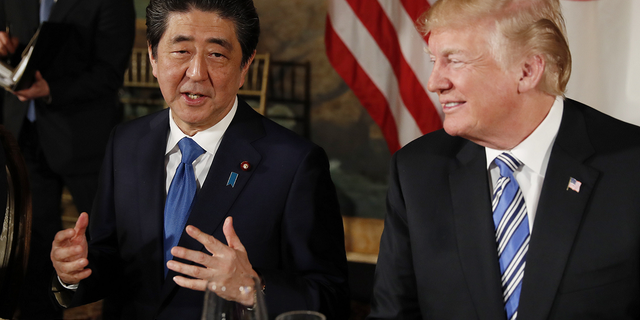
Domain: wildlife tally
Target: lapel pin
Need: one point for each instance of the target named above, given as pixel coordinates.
(245, 165)
(232, 179)
(574, 184)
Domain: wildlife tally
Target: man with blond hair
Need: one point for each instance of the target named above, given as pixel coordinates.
(526, 205)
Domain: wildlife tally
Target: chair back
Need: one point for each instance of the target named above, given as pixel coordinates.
(15, 198)
(255, 83)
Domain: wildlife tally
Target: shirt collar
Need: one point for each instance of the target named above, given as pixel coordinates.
(534, 151)
(209, 139)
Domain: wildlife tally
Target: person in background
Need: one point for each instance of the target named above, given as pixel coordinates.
(206, 190)
(526, 205)
(62, 122)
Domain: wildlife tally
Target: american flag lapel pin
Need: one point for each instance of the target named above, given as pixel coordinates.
(574, 184)
(232, 179)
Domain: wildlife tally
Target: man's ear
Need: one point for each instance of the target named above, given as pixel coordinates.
(245, 68)
(531, 70)
(154, 62)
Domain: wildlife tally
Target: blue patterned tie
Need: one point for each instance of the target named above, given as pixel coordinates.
(180, 197)
(512, 231)
(45, 11)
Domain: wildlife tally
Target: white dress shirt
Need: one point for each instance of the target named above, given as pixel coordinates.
(208, 139)
(534, 152)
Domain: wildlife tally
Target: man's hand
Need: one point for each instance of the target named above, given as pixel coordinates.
(8, 45)
(227, 266)
(69, 252)
(39, 89)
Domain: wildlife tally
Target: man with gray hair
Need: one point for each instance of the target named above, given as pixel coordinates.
(526, 205)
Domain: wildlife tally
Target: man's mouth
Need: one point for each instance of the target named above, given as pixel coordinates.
(193, 95)
(452, 104)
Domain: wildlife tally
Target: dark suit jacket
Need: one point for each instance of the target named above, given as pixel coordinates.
(84, 78)
(438, 253)
(285, 213)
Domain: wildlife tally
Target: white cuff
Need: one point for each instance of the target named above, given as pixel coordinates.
(73, 287)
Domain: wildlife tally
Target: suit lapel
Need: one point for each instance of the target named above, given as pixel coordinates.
(558, 216)
(475, 231)
(216, 197)
(151, 189)
(60, 10)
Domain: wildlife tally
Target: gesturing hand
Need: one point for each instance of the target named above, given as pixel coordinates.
(69, 252)
(227, 266)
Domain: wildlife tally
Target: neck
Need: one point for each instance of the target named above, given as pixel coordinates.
(535, 109)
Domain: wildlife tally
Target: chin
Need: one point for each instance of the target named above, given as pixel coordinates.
(451, 129)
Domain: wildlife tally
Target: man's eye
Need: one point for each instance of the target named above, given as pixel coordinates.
(217, 55)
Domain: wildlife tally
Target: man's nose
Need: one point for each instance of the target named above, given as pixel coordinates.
(438, 81)
(197, 68)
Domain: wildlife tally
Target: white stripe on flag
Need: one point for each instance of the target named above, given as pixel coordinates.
(412, 45)
(374, 63)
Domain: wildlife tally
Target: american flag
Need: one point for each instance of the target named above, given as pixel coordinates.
(376, 49)
(574, 184)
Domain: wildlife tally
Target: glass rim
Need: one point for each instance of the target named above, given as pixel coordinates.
(295, 312)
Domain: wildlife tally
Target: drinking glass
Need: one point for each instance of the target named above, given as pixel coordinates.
(301, 315)
(217, 308)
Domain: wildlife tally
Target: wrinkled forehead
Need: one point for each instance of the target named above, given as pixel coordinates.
(455, 38)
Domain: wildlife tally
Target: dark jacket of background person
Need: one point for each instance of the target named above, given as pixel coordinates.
(65, 145)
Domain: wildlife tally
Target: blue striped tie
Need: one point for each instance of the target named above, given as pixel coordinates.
(512, 231)
(180, 197)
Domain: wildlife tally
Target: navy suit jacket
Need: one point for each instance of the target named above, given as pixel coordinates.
(285, 213)
(438, 255)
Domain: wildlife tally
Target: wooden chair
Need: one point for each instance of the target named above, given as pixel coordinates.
(290, 95)
(255, 83)
(140, 86)
(15, 199)
(139, 73)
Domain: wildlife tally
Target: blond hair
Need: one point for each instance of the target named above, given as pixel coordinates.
(523, 28)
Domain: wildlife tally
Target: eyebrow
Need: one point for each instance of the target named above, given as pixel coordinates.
(219, 41)
(448, 52)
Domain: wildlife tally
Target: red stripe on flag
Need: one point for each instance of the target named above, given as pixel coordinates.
(416, 100)
(415, 8)
(369, 95)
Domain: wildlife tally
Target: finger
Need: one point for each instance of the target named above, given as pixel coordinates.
(22, 97)
(193, 271)
(198, 257)
(210, 243)
(230, 234)
(67, 253)
(62, 237)
(6, 44)
(71, 267)
(193, 284)
(74, 278)
(81, 225)
(14, 42)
